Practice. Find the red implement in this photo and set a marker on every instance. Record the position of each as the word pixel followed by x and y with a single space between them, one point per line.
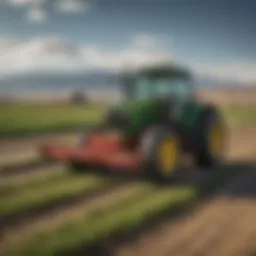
pixel 100 150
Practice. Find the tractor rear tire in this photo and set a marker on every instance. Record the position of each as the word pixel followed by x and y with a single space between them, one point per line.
pixel 210 139
pixel 160 148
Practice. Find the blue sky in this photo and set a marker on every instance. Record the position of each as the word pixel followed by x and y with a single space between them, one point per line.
pixel 214 37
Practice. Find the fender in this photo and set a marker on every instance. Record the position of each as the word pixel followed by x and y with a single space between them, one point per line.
pixel 191 113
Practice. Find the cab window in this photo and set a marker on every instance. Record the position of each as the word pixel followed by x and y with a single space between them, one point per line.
pixel 178 88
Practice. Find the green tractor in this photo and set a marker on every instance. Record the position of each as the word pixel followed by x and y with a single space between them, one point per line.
pixel 158 121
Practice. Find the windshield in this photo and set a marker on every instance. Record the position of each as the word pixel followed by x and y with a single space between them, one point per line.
pixel 145 87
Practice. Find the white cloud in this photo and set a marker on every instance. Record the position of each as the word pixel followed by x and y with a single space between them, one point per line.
pixel 73 6
pixel 54 54
pixel 25 2
pixel 241 71
pixel 147 41
pixel 140 51
pixel 144 41
pixel 132 58
pixel 6 44
pixel 36 15
pixel 34 9
pixel 36 12
pixel 37 55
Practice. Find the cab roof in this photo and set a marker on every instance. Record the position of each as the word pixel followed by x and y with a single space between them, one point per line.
pixel 165 71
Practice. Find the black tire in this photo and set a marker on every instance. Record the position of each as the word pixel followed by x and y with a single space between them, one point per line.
pixel 151 141
pixel 202 148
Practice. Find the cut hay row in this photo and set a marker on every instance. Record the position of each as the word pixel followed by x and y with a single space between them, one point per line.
pixel 23 166
pixel 41 176
pixel 54 219
pixel 217 222
pixel 129 215
pixel 63 189
pixel 11 160
pixel 99 225
pixel 19 146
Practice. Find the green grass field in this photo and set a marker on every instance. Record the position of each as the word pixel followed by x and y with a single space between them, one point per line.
pixel 129 208
pixel 240 115
pixel 67 214
pixel 26 119
pixel 27 197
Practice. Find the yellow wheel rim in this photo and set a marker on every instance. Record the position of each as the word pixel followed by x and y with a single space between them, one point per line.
pixel 217 139
pixel 168 154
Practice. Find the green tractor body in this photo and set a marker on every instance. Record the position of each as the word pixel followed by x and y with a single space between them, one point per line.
pixel 158 120
pixel 155 97
pixel 141 113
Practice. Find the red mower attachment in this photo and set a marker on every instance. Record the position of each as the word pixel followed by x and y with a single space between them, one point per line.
pixel 100 150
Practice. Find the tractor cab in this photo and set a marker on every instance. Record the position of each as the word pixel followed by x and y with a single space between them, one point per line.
pixel 169 83
pixel 158 94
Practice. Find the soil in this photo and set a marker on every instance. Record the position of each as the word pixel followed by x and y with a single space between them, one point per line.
pixel 224 225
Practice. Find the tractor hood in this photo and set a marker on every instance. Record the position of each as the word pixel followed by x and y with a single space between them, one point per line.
pixel 132 116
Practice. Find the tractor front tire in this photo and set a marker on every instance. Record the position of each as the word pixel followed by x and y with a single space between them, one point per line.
pixel 160 148
pixel 210 139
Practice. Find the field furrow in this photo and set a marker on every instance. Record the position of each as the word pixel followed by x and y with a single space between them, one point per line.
pixel 33 200
pixel 14 160
pixel 100 224
pixel 235 234
pixel 122 218
pixel 222 226
pixel 31 165
pixel 45 209
pixel 10 146
pixel 55 219
pixel 13 184
pixel 208 237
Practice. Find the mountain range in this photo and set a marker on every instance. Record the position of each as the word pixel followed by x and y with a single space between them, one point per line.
pixel 95 81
